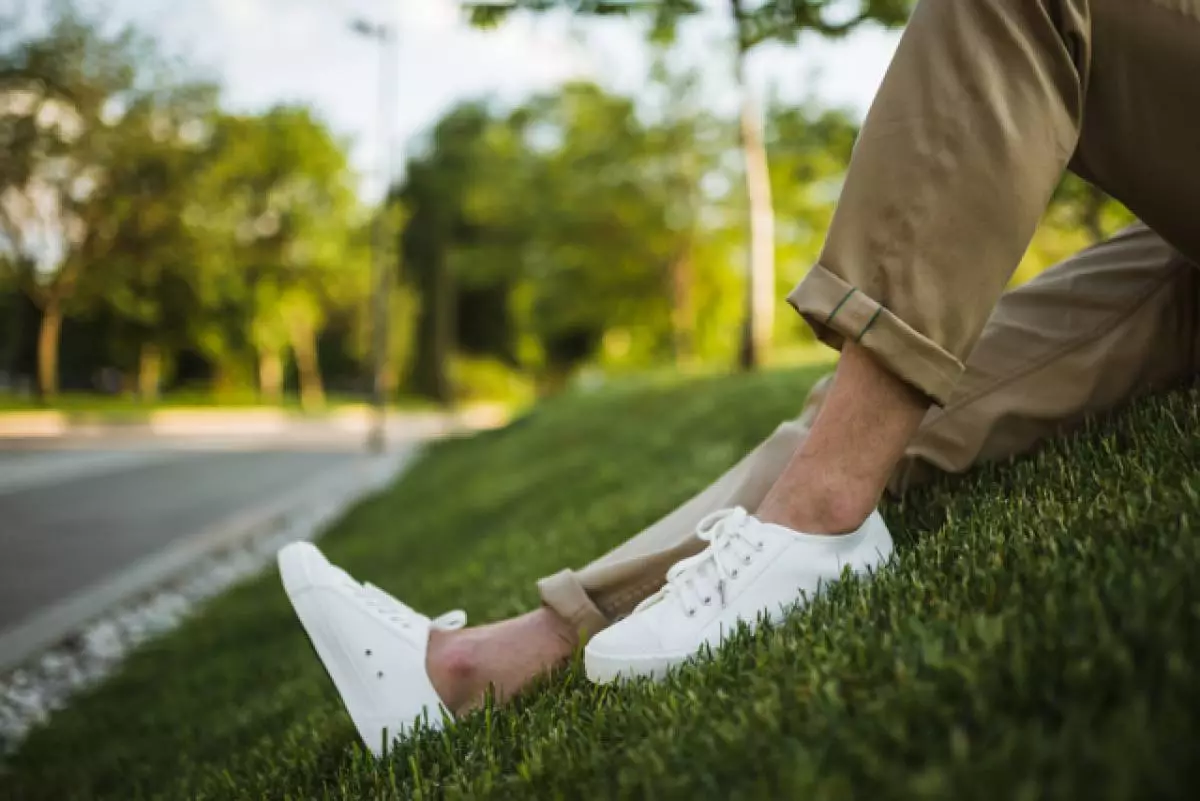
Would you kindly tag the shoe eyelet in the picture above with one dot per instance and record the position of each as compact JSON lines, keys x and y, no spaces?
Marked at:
{"x":745,"y":560}
{"x":762,"y":546}
{"x":733,"y":574}
{"x":708,"y":601}
{"x":691,"y":612}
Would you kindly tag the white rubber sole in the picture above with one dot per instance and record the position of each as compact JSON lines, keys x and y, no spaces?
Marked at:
{"x":606,"y":669}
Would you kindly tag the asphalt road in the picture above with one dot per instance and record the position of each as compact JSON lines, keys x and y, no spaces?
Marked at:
{"x":73,"y":515}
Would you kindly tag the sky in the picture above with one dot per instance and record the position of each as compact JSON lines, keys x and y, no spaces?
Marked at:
{"x":265,"y":52}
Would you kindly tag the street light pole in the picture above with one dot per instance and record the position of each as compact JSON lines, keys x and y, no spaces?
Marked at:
{"x":385,"y":35}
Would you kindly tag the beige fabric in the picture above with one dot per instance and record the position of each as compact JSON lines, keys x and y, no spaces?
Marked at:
{"x":984,"y":106}
{"x":1081,"y":338}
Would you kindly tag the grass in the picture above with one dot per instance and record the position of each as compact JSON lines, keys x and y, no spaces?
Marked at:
{"x":1038,"y":636}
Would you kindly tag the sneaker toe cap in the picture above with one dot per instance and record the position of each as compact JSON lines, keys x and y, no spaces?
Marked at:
{"x":301,"y":565}
{"x":631,"y":636}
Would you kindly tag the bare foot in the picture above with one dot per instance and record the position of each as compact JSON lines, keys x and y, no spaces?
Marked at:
{"x":508,"y":655}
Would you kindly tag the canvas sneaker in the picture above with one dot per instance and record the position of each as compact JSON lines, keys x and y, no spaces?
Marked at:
{"x":371,"y":644}
{"x":749,"y":570}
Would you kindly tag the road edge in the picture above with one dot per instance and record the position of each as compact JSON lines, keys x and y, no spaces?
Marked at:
{"x":81,"y":639}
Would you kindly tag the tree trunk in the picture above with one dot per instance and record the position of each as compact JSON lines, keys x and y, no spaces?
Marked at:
{"x":47,"y":351}
{"x":149,"y":372}
{"x":430,"y":375}
{"x":445,"y":323}
{"x":308,"y":366}
{"x":683,"y":313}
{"x":760,"y":287}
{"x":270,"y":376}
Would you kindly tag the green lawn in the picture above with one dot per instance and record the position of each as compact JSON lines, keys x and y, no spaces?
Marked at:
{"x":1037,"y":637}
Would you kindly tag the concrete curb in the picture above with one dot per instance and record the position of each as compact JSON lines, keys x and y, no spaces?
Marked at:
{"x":200,"y":422}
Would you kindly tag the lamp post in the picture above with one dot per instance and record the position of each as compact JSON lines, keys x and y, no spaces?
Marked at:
{"x":385,"y":36}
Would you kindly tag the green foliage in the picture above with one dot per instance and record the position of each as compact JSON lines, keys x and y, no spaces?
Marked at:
{"x":809,"y":149}
{"x":1036,"y":637}
{"x":784,"y":20}
{"x":55,"y":91}
{"x":140,"y":255}
{"x":578,"y":229}
{"x":131,"y":205}
{"x":1079,"y":216}
{"x":490,"y":380}
{"x":757,"y":22}
{"x":290,"y":249}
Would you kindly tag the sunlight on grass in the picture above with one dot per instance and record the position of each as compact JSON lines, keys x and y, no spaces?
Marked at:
{"x":1038,"y":635}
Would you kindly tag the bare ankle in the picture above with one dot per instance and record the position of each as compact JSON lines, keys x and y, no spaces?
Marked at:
{"x":505,"y":655}
{"x":829,"y":509}
{"x":454,"y":666}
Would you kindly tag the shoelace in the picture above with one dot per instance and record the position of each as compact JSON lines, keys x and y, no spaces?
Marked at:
{"x":401,"y":614}
{"x":690,"y":579}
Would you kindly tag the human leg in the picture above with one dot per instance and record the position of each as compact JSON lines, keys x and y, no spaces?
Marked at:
{"x":981,"y":112}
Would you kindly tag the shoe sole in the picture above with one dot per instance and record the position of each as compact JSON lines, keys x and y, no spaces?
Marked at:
{"x":299,"y":566}
{"x":603,"y":669}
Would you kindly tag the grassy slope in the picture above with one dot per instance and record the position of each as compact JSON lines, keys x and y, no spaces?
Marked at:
{"x":1039,"y":635}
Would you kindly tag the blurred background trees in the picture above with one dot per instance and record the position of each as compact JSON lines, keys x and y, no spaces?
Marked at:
{"x":152,"y":240}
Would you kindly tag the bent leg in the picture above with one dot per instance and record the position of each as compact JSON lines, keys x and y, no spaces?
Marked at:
{"x":1083,"y":337}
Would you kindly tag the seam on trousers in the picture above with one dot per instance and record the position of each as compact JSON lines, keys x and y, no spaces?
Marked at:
{"x":867,"y":327}
{"x":1083,"y":339}
{"x":842,"y":303}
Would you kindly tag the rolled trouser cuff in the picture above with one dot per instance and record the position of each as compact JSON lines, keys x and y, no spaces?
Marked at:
{"x":839,"y":312}
{"x":563,"y":594}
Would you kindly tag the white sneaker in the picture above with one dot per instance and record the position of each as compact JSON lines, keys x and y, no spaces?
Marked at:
{"x":372,"y":645}
{"x":750,"y":569}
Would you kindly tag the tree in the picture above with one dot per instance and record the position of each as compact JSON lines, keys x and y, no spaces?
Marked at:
{"x":285,"y":226}
{"x":570,"y":230}
{"x":55,"y":92}
{"x":684,"y":146}
{"x":753,"y":23}
{"x":809,"y":150}
{"x":143,"y":258}
{"x":433,"y":193}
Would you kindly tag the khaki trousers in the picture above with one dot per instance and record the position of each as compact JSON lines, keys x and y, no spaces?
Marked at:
{"x":985,"y":105}
{"x":981,"y":111}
